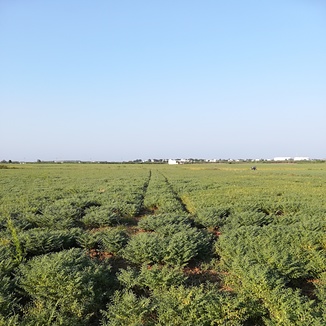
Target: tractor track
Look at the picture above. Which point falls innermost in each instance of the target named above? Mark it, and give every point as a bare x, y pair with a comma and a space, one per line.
142, 210
175, 194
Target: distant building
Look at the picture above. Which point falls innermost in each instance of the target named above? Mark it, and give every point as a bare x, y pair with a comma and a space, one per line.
178, 161
170, 161
301, 158
286, 158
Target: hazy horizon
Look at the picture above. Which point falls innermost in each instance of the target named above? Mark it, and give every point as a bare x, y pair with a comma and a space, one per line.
119, 81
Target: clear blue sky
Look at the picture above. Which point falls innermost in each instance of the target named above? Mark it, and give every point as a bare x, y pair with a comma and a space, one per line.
122, 80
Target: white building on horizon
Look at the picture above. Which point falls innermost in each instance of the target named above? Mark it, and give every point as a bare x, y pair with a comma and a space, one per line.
171, 161
281, 158
288, 158
301, 158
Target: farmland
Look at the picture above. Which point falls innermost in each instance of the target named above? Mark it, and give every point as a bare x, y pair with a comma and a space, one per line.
152, 244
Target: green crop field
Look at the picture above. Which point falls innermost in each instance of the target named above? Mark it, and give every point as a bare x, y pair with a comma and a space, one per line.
153, 244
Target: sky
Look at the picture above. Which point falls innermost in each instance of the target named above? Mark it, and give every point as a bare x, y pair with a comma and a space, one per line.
124, 80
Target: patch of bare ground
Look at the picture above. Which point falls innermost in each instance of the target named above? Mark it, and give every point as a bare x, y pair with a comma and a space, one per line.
115, 261
100, 255
118, 263
307, 286
226, 288
147, 211
196, 275
215, 232
133, 230
102, 228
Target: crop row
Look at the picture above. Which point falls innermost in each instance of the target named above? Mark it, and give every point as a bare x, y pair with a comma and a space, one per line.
160, 197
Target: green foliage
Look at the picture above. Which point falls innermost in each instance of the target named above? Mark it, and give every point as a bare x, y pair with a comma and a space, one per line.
248, 218
100, 216
113, 240
41, 241
15, 240
62, 214
145, 248
176, 305
289, 250
65, 287
8, 302
196, 306
151, 277
156, 222
160, 197
185, 245
173, 244
9, 321
165, 224
320, 285
88, 240
128, 309
129, 278
268, 231
266, 260
158, 276
212, 217
8, 261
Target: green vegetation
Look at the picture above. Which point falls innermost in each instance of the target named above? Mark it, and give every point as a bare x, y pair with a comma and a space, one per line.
210, 244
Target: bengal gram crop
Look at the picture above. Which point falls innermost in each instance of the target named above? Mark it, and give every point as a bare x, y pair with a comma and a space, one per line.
149, 244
